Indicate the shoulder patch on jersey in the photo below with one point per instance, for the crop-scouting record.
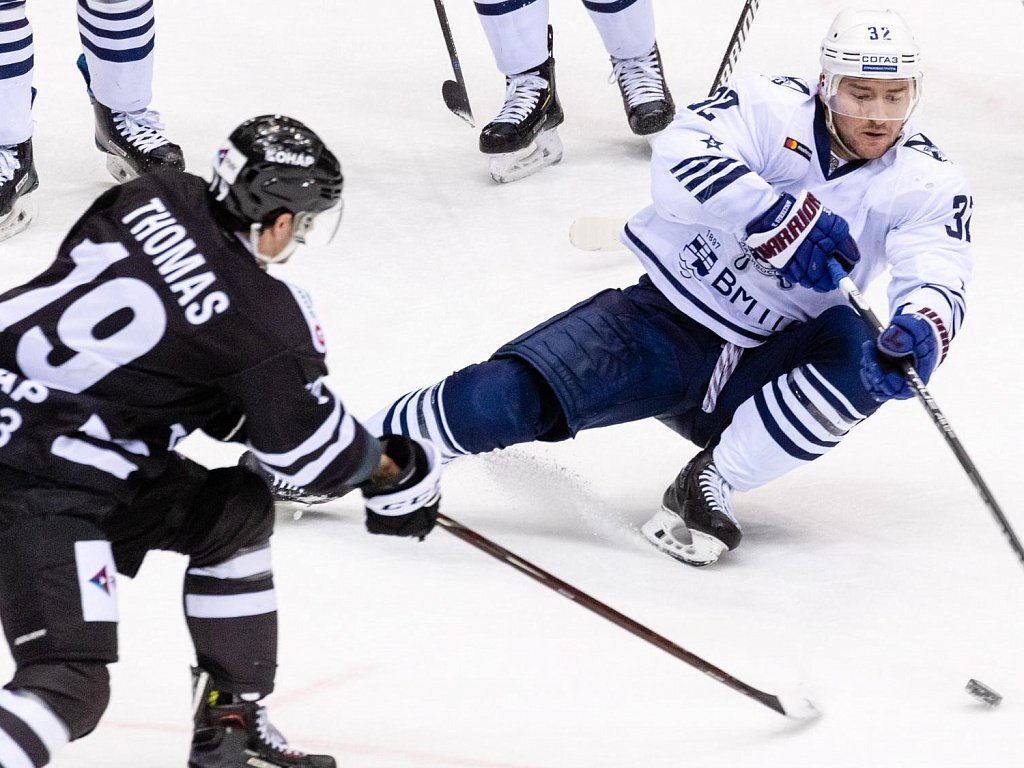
(316, 330)
(924, 145)
(795, 146)
(793, 83)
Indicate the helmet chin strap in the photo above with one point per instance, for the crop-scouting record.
(255, 231)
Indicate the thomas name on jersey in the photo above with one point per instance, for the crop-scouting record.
(167, 241)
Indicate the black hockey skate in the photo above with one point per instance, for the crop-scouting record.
(238, 734)
(695, 523)
(134, 142)
(17, 179)
(645, 95)
(522, 139)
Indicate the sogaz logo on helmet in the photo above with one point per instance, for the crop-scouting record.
(300, 159)
(878, 62)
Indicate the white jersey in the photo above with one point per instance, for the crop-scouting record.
(724, 161)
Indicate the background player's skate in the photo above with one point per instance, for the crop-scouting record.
(645, 95)
(134, 142)
(17, 179)
(522, 138)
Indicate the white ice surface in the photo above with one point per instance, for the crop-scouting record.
(875, 579)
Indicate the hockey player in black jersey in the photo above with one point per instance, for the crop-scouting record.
(158, 318)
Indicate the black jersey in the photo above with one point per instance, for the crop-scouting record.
(155, 321)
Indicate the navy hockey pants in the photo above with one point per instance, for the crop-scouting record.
(624, 355)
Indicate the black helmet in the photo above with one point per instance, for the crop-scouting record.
(274, 164)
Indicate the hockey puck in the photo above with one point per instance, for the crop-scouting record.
(983, 693)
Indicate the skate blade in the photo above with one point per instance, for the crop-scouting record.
(21, 215)
(668, 533)
(545, 150)
(120, 169)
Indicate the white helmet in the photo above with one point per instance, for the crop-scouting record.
(872, 45)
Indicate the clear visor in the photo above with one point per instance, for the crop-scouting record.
(317, 229)
(872, 99)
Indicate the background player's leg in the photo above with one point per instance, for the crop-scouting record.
(16, 165)
(521, 139)
(117, 39)
(627, 30)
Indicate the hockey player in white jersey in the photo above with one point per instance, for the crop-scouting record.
(737, 337)
(117, 42)
(522, 138)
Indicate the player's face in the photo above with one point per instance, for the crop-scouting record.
(276, 238)
(868, 114)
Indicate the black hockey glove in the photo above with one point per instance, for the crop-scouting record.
(405, 505)
(279, 489)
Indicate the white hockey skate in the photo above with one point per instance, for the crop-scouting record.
(544, 150)
(695, 523)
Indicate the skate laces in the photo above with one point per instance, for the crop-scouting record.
(144, 129)
(640, 78)
(522, 93)
(271, 736)
(716, 492)
(9, 164)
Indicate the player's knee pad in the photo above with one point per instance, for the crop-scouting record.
(501, 402)
(233, 510)
(76, 691)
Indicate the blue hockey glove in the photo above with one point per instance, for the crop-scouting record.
(405, 505)
(909, 338)
(798, 236)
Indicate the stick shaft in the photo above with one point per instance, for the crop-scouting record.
(607, 612)
(860, 304)
(732, 51)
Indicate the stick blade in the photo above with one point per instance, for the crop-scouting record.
(457, 100)
(597, 233)
(796, 706)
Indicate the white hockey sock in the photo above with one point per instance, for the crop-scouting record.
(419, 415)
(117, 37)
(626, 26)
(793, 420)
(16, 63)
(517, 31)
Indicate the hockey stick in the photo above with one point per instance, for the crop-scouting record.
(454, 93)
(732, 51)
(860, 304)
(601, 233)
(794, 707)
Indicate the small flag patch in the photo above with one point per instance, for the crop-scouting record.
(801, 149)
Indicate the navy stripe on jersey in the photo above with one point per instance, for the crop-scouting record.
(712, 172)
(611, 7)
(697, 303)
(955, 300)
(500, 9)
